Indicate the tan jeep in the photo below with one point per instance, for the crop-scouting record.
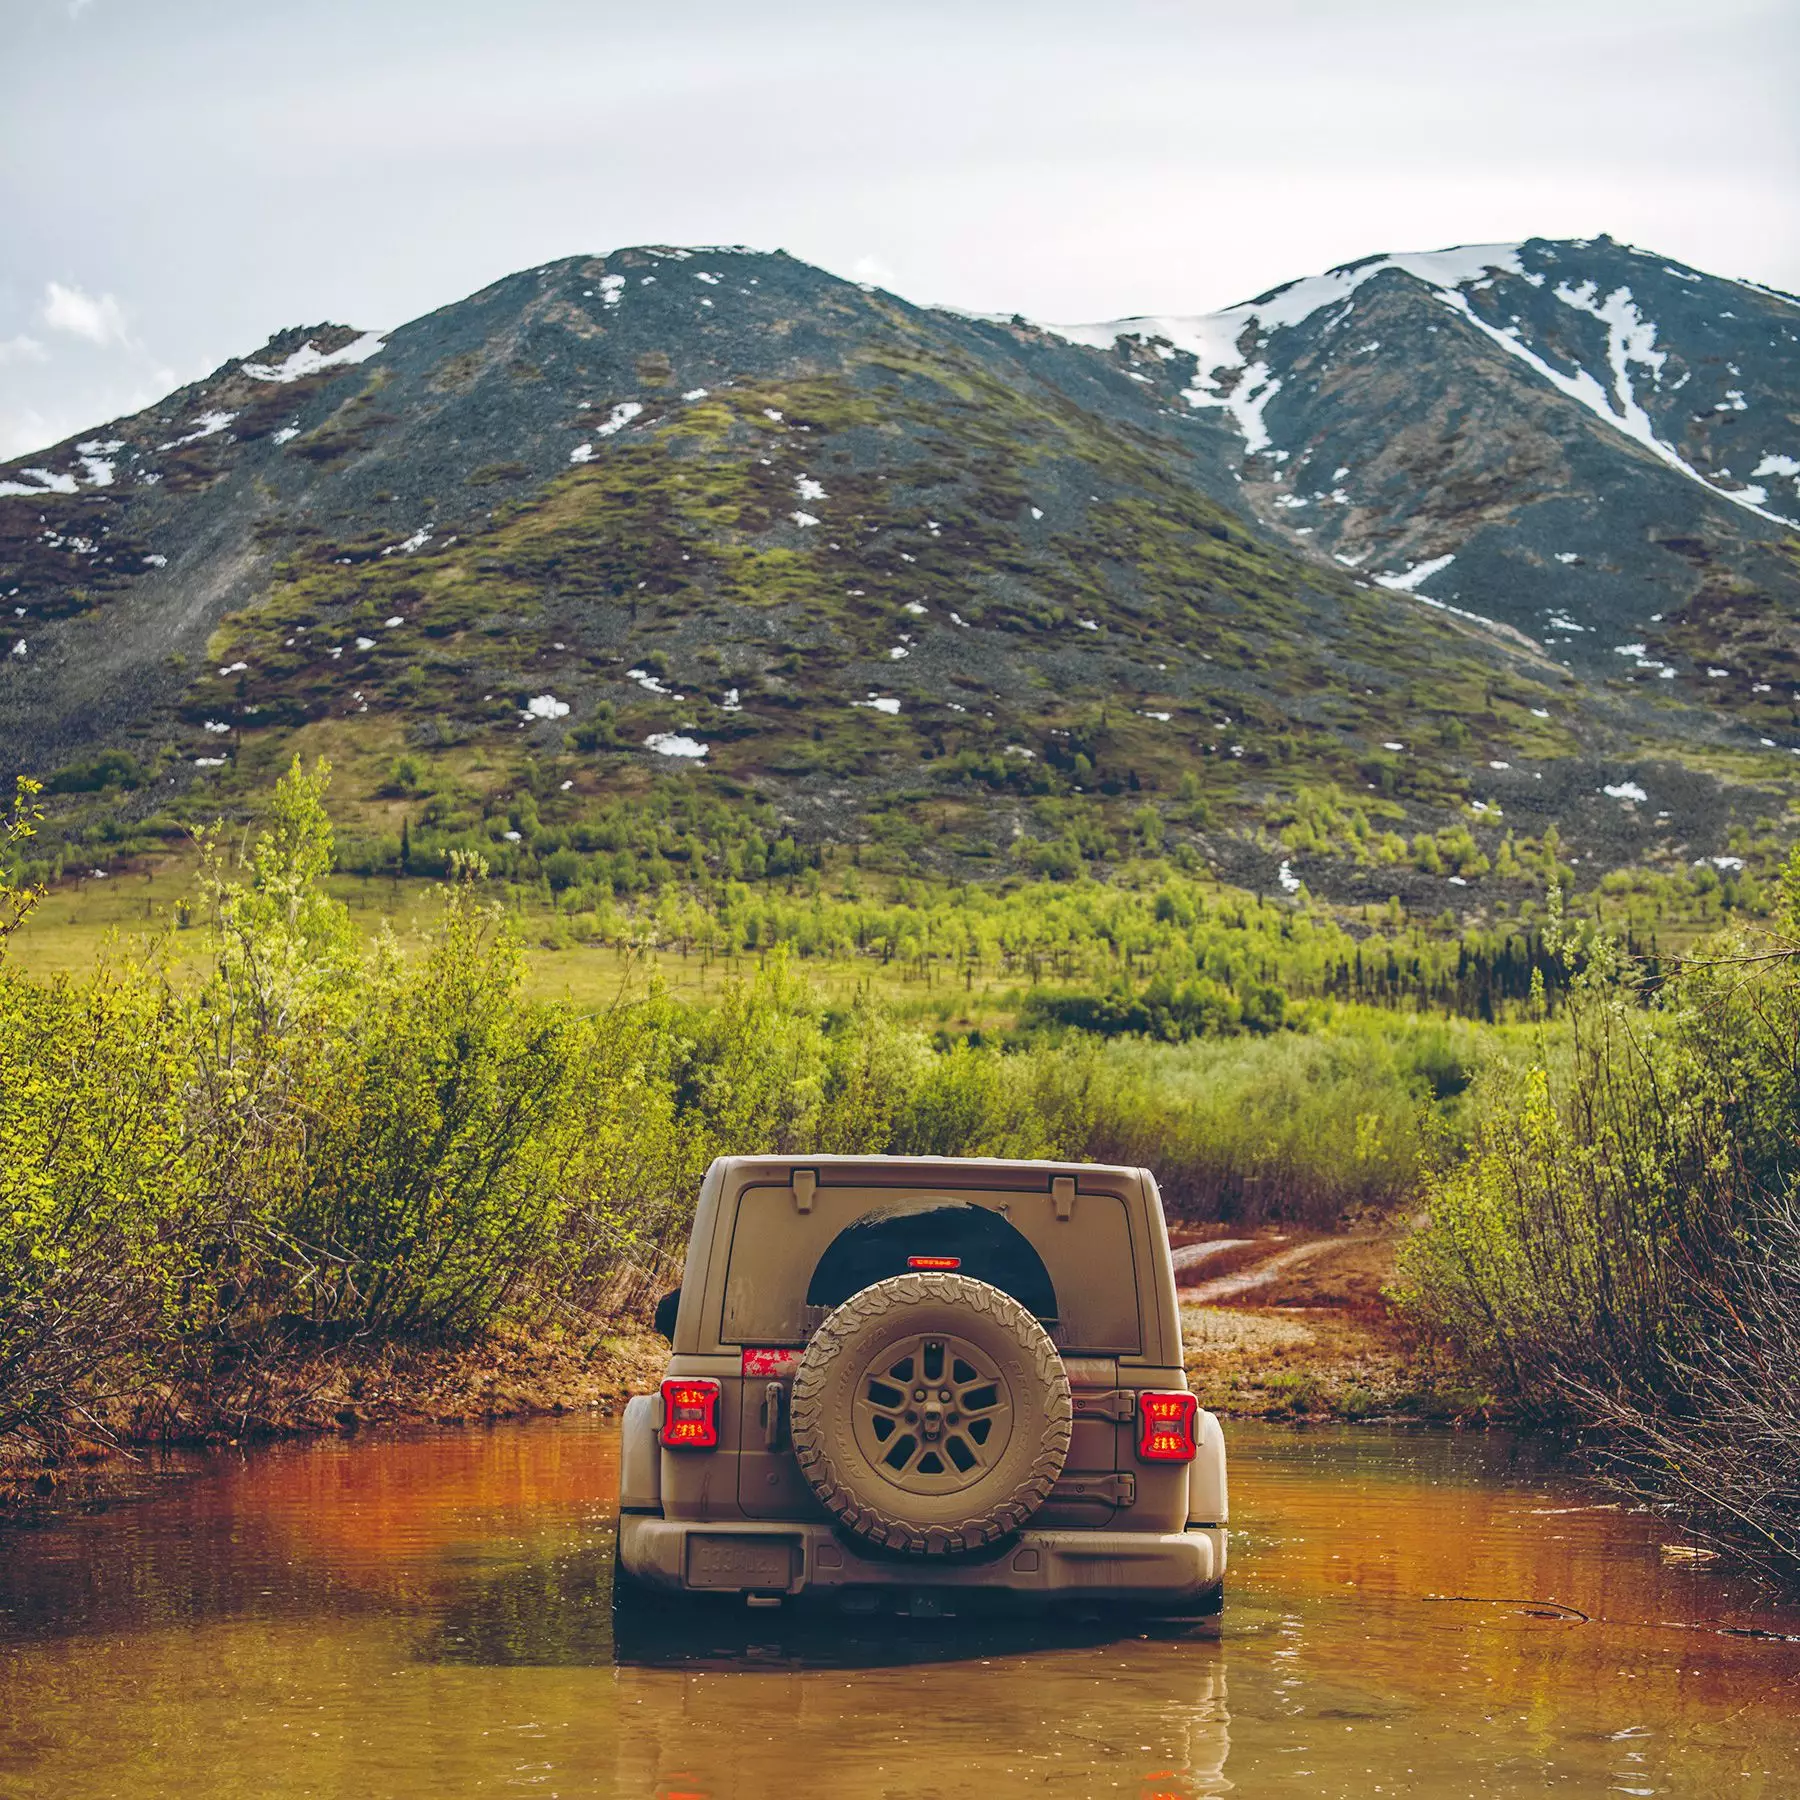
(918, 1384)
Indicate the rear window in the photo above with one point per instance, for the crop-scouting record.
(776, 1249)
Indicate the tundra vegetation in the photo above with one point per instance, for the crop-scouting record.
(306, 1136)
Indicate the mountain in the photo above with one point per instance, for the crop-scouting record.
(1445, 545)
(1584, 441)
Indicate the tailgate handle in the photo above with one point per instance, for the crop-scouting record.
(774, 1415)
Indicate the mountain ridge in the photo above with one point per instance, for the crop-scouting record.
(610, 506)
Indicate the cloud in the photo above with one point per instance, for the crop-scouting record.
(21, 349)
(68, 309)
(26, 429)
(873, 271)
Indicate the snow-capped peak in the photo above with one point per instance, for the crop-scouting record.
(1240, 366)
(1227, 373)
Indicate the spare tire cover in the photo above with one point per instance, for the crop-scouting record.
(931, 1414)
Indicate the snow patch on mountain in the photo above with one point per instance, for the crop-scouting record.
(207, 425)
(1409, 580)
(1630, 338)
(97, 460)
(1784, 466)
(44, 481)
(615, 421)
(1226, 373)
(676, 744)
(309, 360)
(1235, 372)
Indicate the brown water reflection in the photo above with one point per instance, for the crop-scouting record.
(430, 1618)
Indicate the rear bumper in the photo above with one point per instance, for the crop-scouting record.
(1175, 1571)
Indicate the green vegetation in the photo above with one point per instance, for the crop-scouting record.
(1620, 1249)
(308, 1133)
(318, 1136)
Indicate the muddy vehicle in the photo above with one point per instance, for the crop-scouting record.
(925, 1386)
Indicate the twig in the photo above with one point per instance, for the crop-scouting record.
(1543, 1609)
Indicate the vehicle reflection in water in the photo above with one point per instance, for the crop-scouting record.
(432, 1617)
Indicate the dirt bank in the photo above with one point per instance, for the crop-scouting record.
(346, 1388)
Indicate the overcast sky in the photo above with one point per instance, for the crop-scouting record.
(180, 178)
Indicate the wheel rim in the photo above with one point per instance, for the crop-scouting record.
(933, 1413)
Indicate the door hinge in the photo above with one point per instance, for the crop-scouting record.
(1119, 1405)
(774, 1415)
(1114, 1490)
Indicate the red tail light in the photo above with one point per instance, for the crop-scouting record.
(690, 1414)
(1166, 1427)
(934, 1262)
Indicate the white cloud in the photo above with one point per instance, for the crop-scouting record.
(26, 429)
(100, 321)
(20, 349)
(873, 271)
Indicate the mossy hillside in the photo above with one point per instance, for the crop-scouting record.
(676, 554)
(1080, 654)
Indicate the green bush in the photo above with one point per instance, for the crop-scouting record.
(93, 1172)
(1163, 1008)
(96, 1186)
(1620, 1249)
(1298, 1126)
(110, 768)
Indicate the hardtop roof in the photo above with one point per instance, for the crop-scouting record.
(880, 1171)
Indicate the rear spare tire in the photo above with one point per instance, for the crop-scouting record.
(931, 1414)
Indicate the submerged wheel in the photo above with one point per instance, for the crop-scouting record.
(931, 1414)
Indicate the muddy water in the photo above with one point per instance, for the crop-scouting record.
(429, 1618)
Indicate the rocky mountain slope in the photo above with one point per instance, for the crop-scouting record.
(1583, 441)
(1454, 545)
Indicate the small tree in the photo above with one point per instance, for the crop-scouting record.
(18, 899)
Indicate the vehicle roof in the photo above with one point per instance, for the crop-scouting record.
(873, 1171)
(783, 1252)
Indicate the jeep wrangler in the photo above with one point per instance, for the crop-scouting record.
(918, 1385)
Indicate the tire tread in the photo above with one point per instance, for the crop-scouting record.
(810, 1438)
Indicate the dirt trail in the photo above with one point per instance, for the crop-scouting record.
(1265, 1272)
(1187, 1257)
(1286, 1329)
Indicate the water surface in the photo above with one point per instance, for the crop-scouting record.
(1408, 1614)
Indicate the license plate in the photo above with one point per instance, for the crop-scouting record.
(715, 1560)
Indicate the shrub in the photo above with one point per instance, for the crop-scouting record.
(111, 768)
(95, 1184)
(1618, 1249)
(433, 1177)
